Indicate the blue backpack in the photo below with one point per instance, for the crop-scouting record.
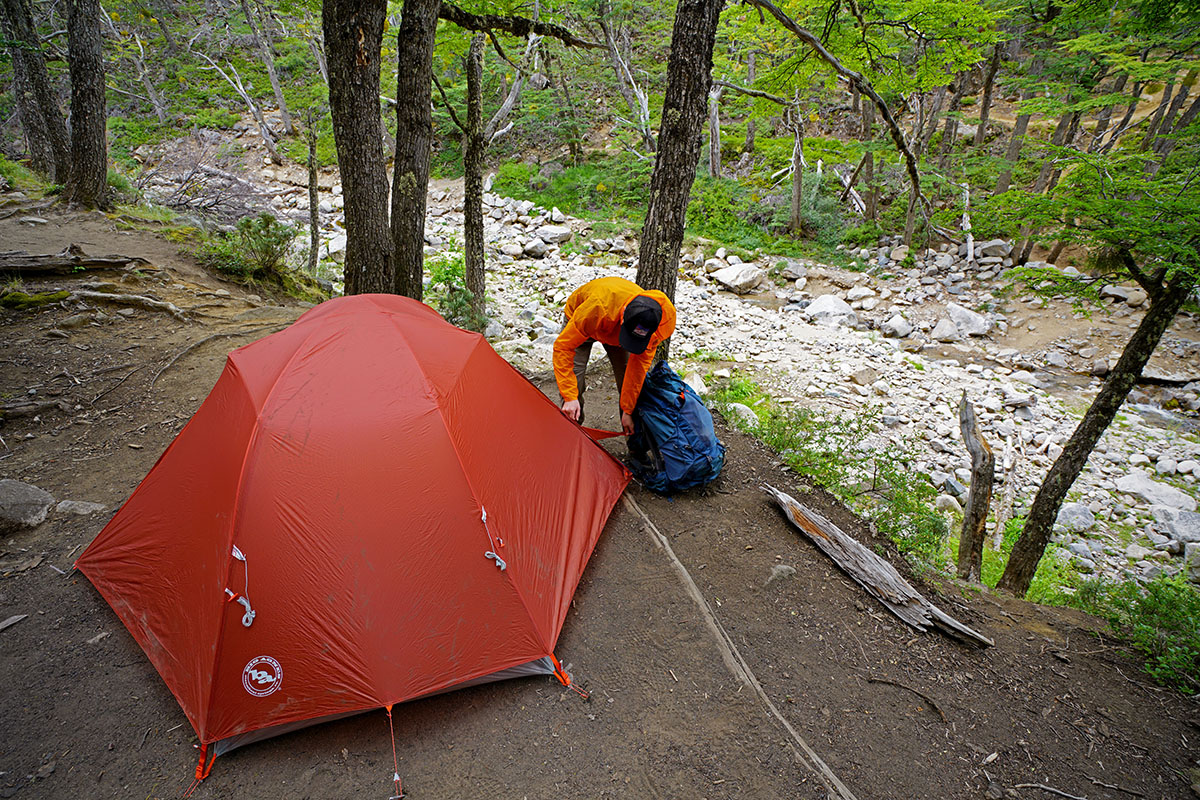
(673, 446)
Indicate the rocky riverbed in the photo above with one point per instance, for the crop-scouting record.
(903, 332)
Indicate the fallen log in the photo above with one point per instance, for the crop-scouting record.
(873, 573)
(70, 261)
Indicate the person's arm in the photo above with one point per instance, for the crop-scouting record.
(635, 375)
(565, 345)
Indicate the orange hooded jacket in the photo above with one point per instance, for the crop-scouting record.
(595, 311)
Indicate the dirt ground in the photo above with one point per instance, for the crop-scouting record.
(893, 713)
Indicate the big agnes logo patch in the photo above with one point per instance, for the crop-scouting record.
(262, 676)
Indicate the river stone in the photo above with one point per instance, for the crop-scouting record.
(860, 293)
(80, 507)
(514, 249)
(22, 506)
(1076, 517)
(945, 502)
(968, 322)
(946, 331)
(535, 248)
(829, 308)
(1181, 526)
(1191, 562)
(554, 234)
(1136, 552)
(743, 415)
(714, 264)
(994, 248)
(694, 380)
(494, 330)
(1136, 298)
(1139, 484)
(897, 327)
(740, 278)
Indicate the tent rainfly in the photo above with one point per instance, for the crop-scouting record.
(371, 506)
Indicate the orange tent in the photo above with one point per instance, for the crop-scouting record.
(371, 506)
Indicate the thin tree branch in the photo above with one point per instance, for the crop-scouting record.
(755, 93)
(449, 107)
(517, 26)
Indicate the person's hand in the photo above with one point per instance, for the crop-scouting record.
(627, 423)
(572, 409)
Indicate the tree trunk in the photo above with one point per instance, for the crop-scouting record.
(689, 75)
(1166, 145)
(1105, 116)
(748, 147)
(796, 215)
(1014, 146)
(714, 132)
(1064, 129)
(635, 96)
(979, 497)
(935, 111)
(950, 131)
(45, 128)
(268, 61)
(414, 140)
(985, 103)
(1030, 547)
(1168, 122)
(314, 199)
(317, 45)
(88, 182)
(870, 193)
(574, 137)
(473, 146)
(1157, 117)
(353, 37)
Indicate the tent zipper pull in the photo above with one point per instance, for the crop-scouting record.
(243, 598)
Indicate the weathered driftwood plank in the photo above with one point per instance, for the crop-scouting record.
(873, 573)
(68, 262)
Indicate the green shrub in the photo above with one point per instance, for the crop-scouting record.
(255, 249)
(215, 118)
(835, 451)
(19, 176)
(1054, 583)
(1161, 619)
(448, 293)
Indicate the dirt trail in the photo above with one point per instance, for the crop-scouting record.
(894, 713)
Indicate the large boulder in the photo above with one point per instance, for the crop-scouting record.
(1182, 526)
(22, 506)
(897, 327)
(1076, 517)
(740, 278)
(1139, 484)
(536, 248)
(994, 247)
(554, 234)
(945, 331)
(831, 309)
(967, 321)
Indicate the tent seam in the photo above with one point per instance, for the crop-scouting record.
(480, 341)
(237, 504)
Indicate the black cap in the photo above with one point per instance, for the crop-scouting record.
(642, 316)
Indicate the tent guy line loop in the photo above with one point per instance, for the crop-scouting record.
(395, 761)
(244, 597)
(496, 542)
(737, 664)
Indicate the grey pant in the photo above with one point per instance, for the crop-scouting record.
(617, 356)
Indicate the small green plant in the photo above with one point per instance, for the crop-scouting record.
(255, 249)
(448, 292)
(836, 452)
(709, 355)
(1161, 619)
(1054, 584)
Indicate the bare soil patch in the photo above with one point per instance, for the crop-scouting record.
(894, 713)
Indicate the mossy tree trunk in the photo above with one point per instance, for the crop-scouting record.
(473, 147)
(37, 103)
(689, 76)
(353, 37)
(88, 181)
(414, 140)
